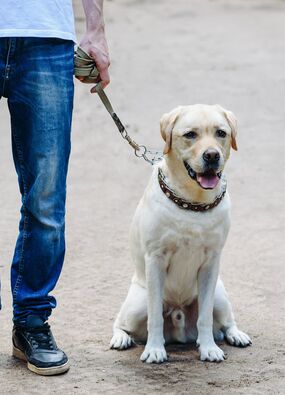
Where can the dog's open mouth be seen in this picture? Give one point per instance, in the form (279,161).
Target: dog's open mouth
(207,180)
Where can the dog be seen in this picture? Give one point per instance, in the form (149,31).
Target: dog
(177,236)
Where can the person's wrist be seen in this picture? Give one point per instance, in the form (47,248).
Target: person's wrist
(94,36)
(95,25)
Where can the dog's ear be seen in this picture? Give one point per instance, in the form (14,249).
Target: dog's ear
(233,125)
(167,123)
(232,121)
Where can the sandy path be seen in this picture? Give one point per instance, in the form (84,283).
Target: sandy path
(173,52)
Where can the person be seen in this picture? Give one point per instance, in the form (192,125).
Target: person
(36,76)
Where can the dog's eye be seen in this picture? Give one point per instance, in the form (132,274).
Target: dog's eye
(190,135)
(221,133)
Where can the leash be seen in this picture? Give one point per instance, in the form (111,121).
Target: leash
(84,66)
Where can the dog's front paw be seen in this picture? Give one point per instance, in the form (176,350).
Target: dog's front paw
(154,354)
(211,352)
(237,338)
(121,340)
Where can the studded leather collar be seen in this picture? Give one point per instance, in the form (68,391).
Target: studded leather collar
(184,204)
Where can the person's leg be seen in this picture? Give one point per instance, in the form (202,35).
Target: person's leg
(39,87)
(40,99)
(3,51)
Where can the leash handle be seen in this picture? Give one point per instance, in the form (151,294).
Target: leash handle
(104,99)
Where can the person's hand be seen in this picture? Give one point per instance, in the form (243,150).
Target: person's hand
(95,45)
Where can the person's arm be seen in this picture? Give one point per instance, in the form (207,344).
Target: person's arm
(94,41)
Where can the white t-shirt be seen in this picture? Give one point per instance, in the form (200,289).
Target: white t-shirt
(37,18)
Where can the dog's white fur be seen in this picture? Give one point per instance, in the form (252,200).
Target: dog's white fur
(176,294)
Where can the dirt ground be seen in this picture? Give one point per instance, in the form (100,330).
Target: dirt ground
(166,53)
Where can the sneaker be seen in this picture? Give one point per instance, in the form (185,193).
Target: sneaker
(36,346)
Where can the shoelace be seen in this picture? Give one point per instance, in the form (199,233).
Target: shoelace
(40,338)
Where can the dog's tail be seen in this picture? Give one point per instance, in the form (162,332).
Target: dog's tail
(178,318)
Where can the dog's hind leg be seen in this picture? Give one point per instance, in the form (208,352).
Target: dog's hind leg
(224,321)
(131,321)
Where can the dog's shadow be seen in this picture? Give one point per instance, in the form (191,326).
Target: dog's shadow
(177,352)
(178,347)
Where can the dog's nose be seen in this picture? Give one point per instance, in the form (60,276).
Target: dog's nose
(211,156)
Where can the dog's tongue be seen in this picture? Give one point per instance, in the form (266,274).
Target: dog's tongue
(208,181)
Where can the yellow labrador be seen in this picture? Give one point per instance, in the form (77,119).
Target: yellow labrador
(177,236)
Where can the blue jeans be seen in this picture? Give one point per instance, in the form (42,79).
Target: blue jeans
(36,76)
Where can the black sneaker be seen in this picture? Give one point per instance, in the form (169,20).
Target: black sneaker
(37,346)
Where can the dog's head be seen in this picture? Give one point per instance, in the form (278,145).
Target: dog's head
(200,137)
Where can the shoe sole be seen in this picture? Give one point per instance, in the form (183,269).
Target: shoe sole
(53,371)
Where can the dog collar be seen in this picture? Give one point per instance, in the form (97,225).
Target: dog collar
(186,205)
